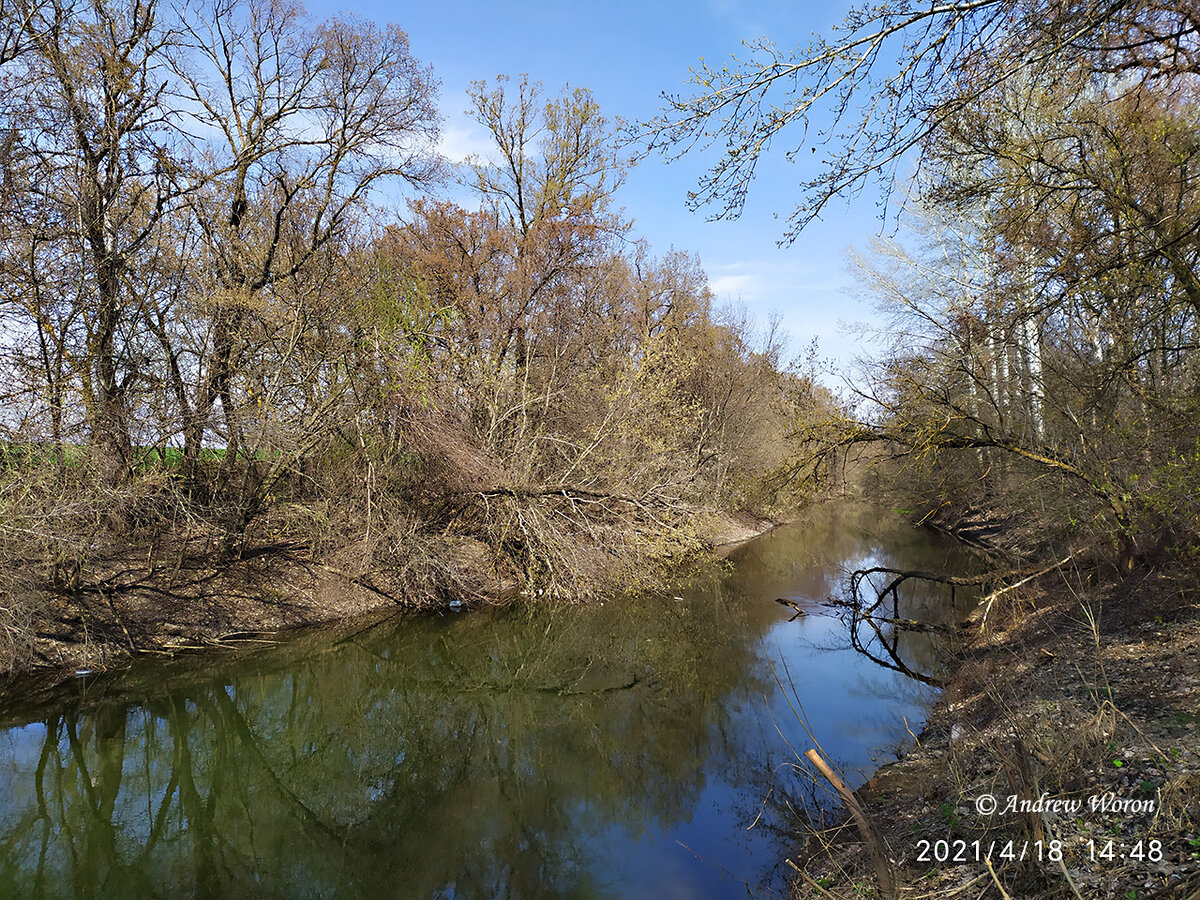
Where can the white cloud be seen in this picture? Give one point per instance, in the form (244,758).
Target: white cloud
(808,294)
(734,287)
(777,282)
(460,141)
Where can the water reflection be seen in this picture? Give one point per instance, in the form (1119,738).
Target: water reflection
(619,750)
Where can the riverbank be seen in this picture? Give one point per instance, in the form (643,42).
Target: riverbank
(1077,708)
(656,713)
(198,603)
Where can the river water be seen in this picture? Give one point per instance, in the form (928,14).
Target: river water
(643,747)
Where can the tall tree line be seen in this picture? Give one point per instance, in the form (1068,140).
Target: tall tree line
(210,322)
(1042,282)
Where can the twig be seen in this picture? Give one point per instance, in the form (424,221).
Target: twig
(808,879)
(883,868)
(916,740)
(359,580)
(1067,875)
(991,598)
(1003,893)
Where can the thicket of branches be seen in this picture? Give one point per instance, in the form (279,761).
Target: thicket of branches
(1043,286)
(208,333)
(1050,309)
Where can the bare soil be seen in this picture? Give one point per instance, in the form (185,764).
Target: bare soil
(196,603)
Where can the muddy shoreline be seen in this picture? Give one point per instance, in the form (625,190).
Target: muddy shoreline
(265,598)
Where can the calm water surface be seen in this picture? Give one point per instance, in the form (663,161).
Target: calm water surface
(639,748)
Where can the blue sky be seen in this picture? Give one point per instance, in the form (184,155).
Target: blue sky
(627,53)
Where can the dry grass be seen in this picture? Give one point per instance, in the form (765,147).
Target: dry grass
(1059,698)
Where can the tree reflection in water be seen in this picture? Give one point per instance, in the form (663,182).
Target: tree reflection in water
(556,753)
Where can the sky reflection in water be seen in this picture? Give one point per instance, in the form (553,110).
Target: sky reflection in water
(616,750)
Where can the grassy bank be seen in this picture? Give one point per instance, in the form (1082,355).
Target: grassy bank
(1082,692)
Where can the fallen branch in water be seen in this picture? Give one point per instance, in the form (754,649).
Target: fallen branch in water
(894,621)
(800,610)
(954,581)
(875,848)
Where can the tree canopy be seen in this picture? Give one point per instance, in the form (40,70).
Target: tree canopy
(850,108)
(216,338)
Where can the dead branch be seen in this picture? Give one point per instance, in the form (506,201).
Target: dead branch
(875,847)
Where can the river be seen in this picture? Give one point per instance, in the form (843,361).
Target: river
(643,747)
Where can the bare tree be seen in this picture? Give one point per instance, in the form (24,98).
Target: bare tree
(844,98)
(292,126)
(83,108)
